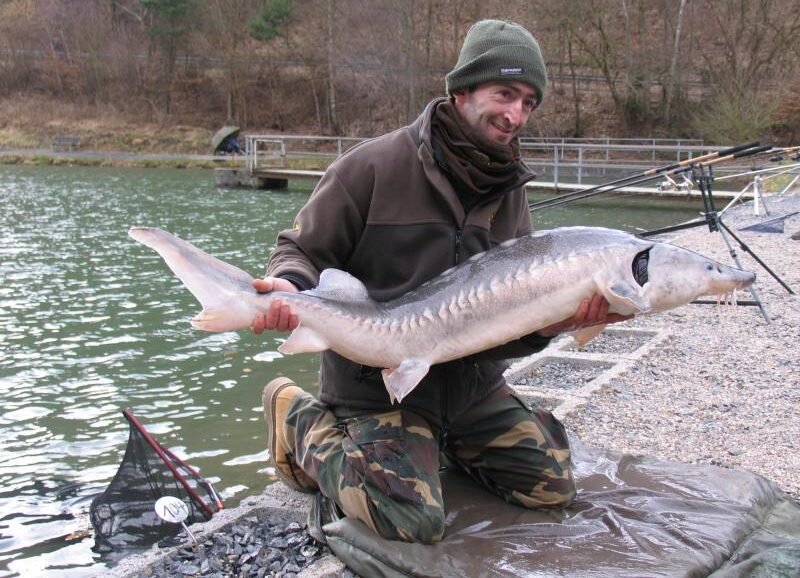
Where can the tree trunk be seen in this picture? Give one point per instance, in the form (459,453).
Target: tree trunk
(673,67)
(332,112)
(575,98)
(411,59)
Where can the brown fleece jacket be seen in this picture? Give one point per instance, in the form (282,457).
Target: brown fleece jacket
(386,213)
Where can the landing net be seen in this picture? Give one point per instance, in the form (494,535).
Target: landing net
(124,516)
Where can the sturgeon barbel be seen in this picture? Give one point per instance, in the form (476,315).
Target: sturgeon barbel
(490,299)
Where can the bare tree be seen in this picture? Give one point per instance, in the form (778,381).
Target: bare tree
(330,43)
(673,66)
(222,26)
(168,23)
(756,40)
(594,32)
(363,66)
(19,24)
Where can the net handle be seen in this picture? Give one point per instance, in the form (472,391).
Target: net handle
(151,441)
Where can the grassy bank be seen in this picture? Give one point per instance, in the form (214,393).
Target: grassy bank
(67,160)
(107,139)
(32,123)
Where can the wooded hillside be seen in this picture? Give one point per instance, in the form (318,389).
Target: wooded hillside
(722,70)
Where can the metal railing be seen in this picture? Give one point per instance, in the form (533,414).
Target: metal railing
(272,151)
(559,158)
(575,160)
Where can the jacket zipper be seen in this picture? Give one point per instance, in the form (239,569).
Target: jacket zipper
(445,403)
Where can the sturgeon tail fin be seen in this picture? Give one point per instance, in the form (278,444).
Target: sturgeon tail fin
(224,291)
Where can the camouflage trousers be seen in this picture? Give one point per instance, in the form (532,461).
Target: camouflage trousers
(383,468)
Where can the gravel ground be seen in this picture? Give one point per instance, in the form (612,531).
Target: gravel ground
(725,387)
(252,548)
(564,374)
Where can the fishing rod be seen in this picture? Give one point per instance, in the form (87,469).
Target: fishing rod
(728,154)
(782,155)
(703,176)
(639,177)
(778,170)
(774,155)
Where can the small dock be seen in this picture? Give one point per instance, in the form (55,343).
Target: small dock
(278,179)
(264,178)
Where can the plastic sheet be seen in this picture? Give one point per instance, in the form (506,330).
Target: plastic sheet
(633,517)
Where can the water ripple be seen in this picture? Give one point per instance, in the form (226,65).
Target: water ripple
(90,323)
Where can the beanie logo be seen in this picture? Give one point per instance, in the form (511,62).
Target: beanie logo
(511,71)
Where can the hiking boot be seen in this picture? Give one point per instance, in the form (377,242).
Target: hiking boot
(277,397)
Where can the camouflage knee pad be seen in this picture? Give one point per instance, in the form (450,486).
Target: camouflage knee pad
(517,452)
(382,469)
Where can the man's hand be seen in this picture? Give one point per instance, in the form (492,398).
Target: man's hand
(279,316)
(590,312)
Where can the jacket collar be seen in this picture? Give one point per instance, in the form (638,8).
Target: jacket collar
(421,132)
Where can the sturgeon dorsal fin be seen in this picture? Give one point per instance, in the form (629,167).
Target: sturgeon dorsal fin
(340,286)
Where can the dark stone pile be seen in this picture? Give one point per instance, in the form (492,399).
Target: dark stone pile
(562,374)
(250,548)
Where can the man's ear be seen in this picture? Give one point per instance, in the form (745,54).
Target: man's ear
(459,95)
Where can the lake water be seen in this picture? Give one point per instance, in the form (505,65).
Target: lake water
(92,323)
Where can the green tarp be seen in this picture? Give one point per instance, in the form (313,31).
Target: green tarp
(634,517)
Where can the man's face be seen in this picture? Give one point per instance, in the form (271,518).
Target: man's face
(496,111)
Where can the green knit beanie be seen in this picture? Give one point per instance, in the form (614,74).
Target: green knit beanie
(495,50)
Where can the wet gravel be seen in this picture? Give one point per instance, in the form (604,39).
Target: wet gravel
(615,342)
(561,374)
(253,547)
(724,388)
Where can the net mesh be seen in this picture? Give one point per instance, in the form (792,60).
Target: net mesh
(123,516)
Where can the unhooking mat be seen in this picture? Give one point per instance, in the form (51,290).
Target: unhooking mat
(633,517)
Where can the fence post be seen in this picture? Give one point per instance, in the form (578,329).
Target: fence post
(555,165)
(580,165)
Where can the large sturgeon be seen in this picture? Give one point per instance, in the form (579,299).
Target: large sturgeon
(494,297)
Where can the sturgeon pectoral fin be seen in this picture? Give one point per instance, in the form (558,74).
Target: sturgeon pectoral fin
(626,298)
(401,380)
(303,340)
(585,335)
